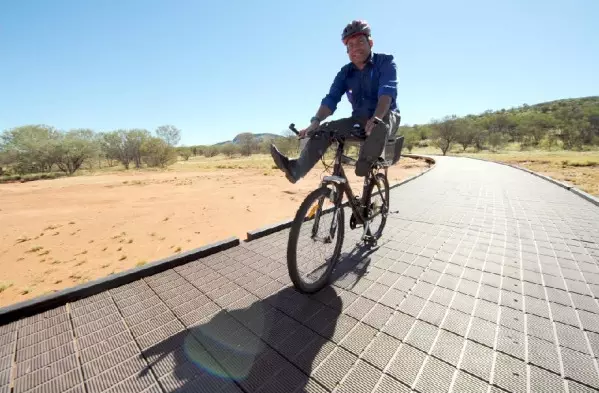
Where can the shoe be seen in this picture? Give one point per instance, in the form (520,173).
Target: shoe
(283,164)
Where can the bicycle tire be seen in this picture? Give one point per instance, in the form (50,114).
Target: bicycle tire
(371,185)
(294,233)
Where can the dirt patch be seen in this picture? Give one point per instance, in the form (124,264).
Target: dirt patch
(63,232)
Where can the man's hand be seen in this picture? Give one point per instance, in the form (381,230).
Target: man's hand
(382,107)
(370,124)
(313,126)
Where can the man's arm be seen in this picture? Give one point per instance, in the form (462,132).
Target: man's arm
(382,106)
(387,87)
(323,112)
(329,103)
(386,93)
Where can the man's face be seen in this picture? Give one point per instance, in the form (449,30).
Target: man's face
(358,49)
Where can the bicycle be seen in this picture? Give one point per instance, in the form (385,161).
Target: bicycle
(332,189)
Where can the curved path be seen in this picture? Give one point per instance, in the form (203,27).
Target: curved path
(487,280)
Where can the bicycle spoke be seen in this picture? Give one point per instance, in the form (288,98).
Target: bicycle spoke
(314,243)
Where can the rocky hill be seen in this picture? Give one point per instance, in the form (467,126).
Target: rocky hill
(257,137)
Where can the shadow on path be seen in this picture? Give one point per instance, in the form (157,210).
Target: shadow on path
(249,347)
(353,266)
(257,348)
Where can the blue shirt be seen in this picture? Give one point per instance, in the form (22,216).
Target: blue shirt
(364,87)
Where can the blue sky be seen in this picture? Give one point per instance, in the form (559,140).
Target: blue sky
(218,68)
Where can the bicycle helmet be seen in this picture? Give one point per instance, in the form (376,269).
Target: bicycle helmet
(354,28)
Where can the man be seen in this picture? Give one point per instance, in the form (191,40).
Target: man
(370,84)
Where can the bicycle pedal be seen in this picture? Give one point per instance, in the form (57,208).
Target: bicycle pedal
(369,240)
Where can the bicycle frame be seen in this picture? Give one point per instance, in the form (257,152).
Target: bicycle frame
(340,178)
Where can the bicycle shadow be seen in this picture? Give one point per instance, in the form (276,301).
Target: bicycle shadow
(252,347)
(352,266)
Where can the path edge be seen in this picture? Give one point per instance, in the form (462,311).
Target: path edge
(269,230)
(583,194)
(40,304)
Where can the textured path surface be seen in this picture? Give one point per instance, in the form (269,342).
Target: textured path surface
(487,280)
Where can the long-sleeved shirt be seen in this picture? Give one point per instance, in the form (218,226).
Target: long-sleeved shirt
(364,87)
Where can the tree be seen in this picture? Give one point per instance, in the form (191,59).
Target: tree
(185,152)
(156,152)
(288,144)
(467,133)
(481,139)
(210,151)
(423,131)
(115,147)
(502,122)
(594,128)
(170,134)
(411,136)
(497,140)
(7,158)
(73,148)
(134,139)
(248,143)
(445,132)
(229,149)
(533,126)
(571,134)
(31,147)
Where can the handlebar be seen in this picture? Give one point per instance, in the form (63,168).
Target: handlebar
(292,128)
(358,131)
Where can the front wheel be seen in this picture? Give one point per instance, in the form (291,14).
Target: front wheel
(315,239)
(378,205)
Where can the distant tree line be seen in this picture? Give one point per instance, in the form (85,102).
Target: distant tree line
(39,151)
(568,124)
(247,144)
(42,149)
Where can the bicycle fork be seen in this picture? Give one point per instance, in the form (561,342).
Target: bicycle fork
(365,203)
(336,200)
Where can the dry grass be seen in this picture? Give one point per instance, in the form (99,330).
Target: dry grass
(261,162)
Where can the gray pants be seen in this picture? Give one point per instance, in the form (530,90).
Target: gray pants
(370,150)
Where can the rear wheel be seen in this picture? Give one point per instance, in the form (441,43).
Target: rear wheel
(378,205)
(315,239)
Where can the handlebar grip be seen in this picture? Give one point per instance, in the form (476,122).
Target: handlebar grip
(292,128)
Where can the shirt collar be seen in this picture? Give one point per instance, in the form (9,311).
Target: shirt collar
(369,60)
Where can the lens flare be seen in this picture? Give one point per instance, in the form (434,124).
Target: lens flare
(223,347)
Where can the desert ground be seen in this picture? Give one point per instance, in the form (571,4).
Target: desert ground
(62,232)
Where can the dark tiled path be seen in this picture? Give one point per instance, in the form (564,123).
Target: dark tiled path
(487,280)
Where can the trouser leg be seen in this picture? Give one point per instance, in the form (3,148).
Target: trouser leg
(309,156)
(318,145)
(374,145)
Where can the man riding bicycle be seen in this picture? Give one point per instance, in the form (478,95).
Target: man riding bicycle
(370,84)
